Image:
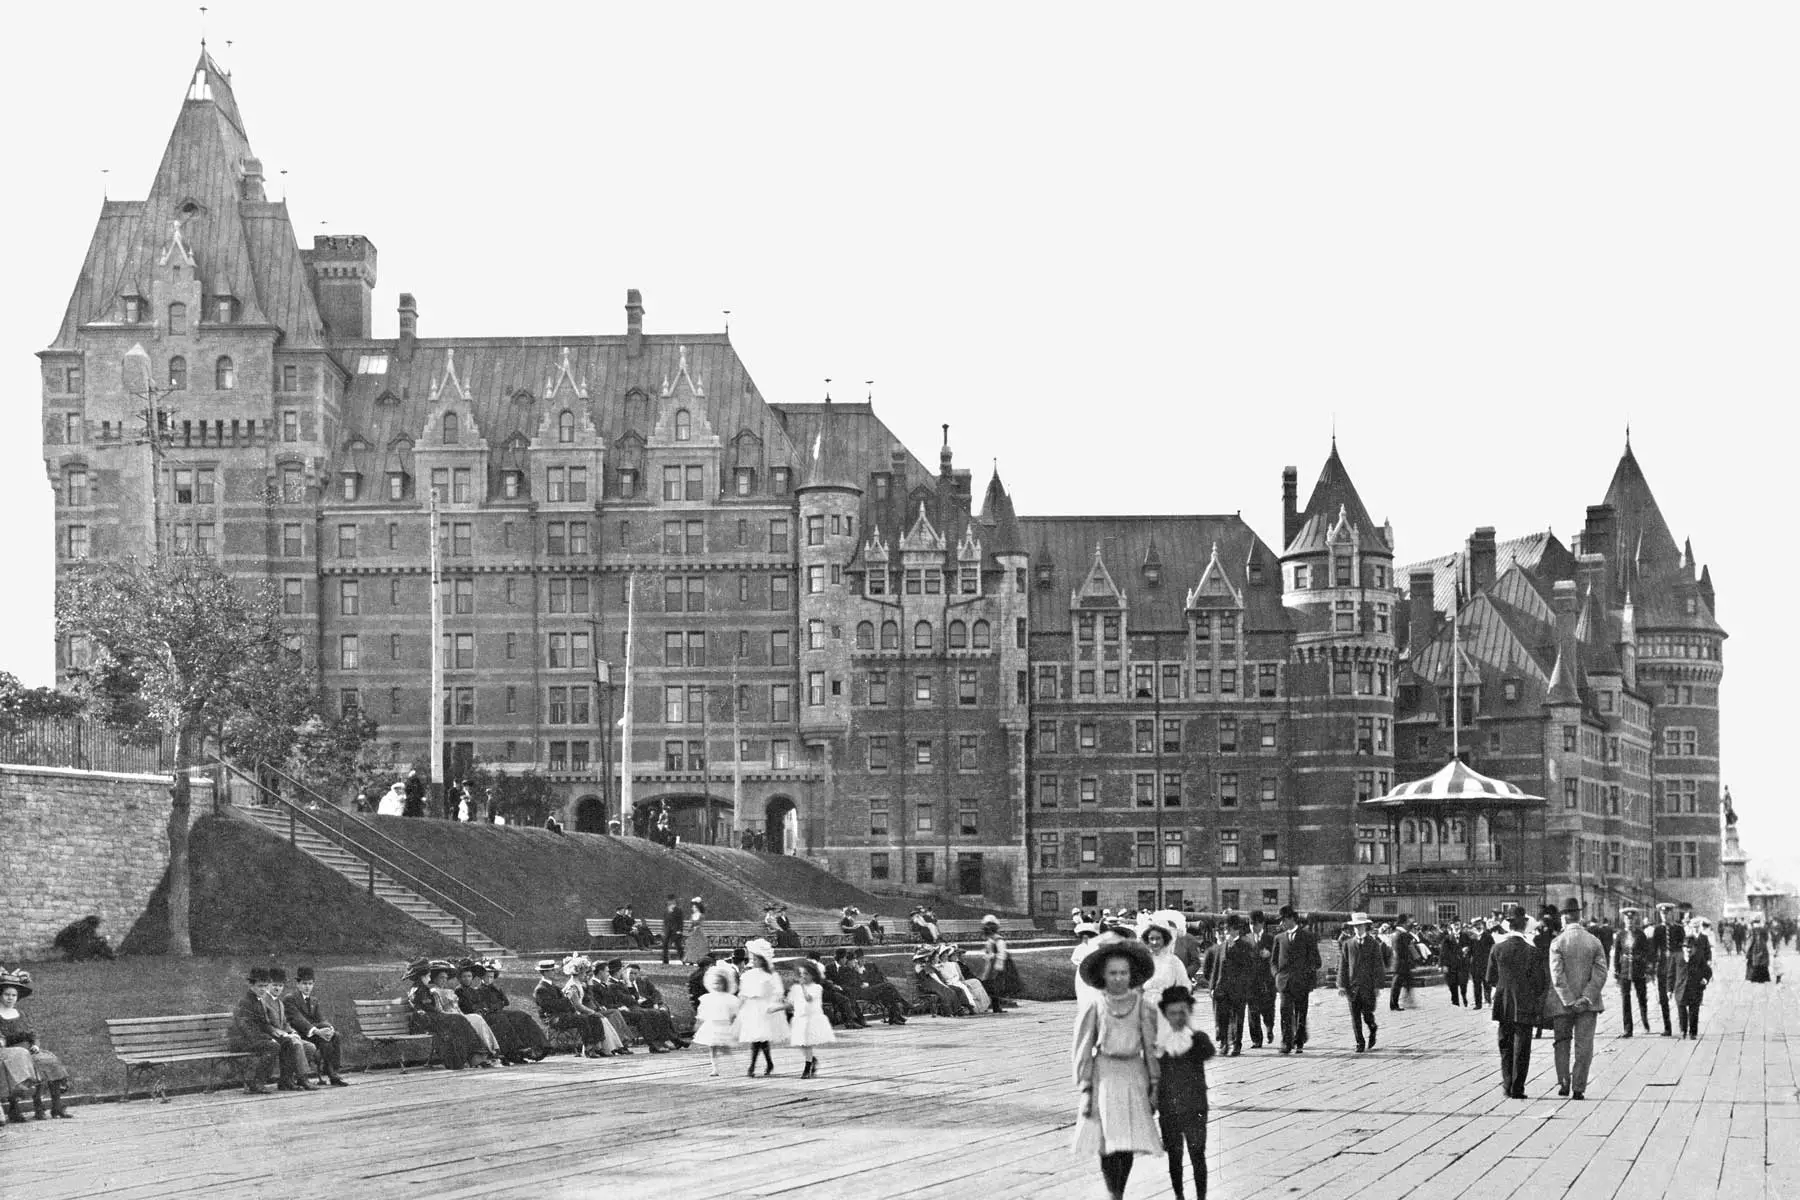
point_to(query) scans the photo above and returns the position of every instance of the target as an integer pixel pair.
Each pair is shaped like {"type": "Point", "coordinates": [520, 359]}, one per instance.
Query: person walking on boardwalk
{"type": "Point", "coordinates": [1406, 953]}
{"type": "Point", "coordinates": [1181, 1052]}
{"type": "Point", "coordinates": [1480, 947]}
{"type": "Point", "coordinates": [1296, 969]}
{"type": "Point", "coordinates": [1116, 1066]}
{"type": "Point", "coordinates": [1665, 944]}
{"type": "Point", "coordinates": [1261, 1005]}
{"type": "Point", "coordinates": [1578, 976]}
{"type": "Point", "coordinates": [762, 1019]}
{"type": "Point", "coordinates": [1518, 986]}
{"type": "Point", "coordinates": [1231, 966]}
{"type": "Point", "coordinates": [1756, 951]}
{"type": "Point", "coordinates": [1362, 966]}
{"type": "Point", "coordinates": [1632, 958]}
{"type": "Point", "coordinates": [1456, 966]}
{"type": "Point", "coordinates": [1690, 982]}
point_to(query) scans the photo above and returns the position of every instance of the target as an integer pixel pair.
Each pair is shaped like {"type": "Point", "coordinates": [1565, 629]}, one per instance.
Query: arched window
{"type": "Point", "coordinates": [684, 425]}
{"type": "Point", "coordinates": [178, 374]}
{"type": "Point", "coordinates": [565, 427]}
{"type": "Point", "coordinates": [226, 374]}
{"type": "Point", "coordinates": [865, 635]}
{"type": "Point", "coordinates": [959, 635]}
{"type": "Point", "coordinates": [177, 318]}
{"type": "Point", "coordinates": [452, 429]}
{"type": "Point", "coordinates": [1425, 828]}
{"type": "Point", "coordinates": [1408, 832]}
{"type": "Point", "coordinates": [922, 636]}
{"type": "Point", "coordinates": [979, 637]}
{"type": "Point", "coordinates": [1483, 835]}
{"type": "Point", "coordinates": [890, 635]}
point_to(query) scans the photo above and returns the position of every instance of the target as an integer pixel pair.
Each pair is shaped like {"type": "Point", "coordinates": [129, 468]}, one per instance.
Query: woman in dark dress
{"type": "Point", "coordinates": [454, 1039]}
{"type": "Point", "coordinates": [1756, 952]}
{"type": "Point", "coordinates": [46, 1071]}
{"type": "Point", "coordinates": [520, 1037]}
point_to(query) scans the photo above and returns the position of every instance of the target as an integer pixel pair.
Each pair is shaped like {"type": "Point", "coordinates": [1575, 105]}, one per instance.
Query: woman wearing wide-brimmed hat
{"type": "Point", "coordinates": [1115, 1061]}
{"type": "Point", "coordinates": [454, 1038]}
{"type": "Point", "coordinates": [25, 1065]}
{"type": "Point", "coordinates": [697, 948]}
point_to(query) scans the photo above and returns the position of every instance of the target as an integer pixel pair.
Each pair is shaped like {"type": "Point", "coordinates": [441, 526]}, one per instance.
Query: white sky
{"type": "Point", "coordinates": [1144, 258]}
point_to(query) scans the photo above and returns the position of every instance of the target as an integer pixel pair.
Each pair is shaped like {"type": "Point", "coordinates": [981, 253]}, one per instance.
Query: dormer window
{"type": "Point", "coordinates": [1509, 691]}
{"type": "Point", "coordinates": [883, 482]}
{"type": "Point", "coordinates": [396, 485]}
{"type": "Point", "coordinates": [1045, 573]}
{"type": "Point", "coordinates": [1301, 577]}
{"type": "Point", "coordinates": [511, 485]}
{"type": "Point", "coordinates": [877, 580]}
{"type": "Point", "coordinates": [1152, 574]}
{"type": "Point", "coordinates": [565, 427]}
{"type": "Point", "coordinates": [352, 485]}
{"type": "Point", "coordinates": [779, 480]}
{"type": "Point", "coordinates": [452, 429]}
{"type": "Point", "coordinates": [224, 309]}
{"type": "Point", "coordinates": [1256, 573]}
{"type": "Point", "coordinates": [1341, 570]}
{"type": "Point", "coordinates": [745, 480]}
{"type": "Point", "coordinates": [371, 364]}
{"type": "Point", "coordinates": [133, 308]}
{"type": "Point", "coordinates": [628, 484]}
{"type": "Point", "coordinates": [684, 425]}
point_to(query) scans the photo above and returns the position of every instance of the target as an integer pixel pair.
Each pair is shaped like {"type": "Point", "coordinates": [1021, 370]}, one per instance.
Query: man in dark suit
{"type": "Point", "coordinates": [1480, 946]}
{"type": "Point", "coordinates": [673, 922]}
{"type": "Point", "coordinates": [1230, 967]}
{"type": "Point", "coordinates": [863, 980]}
{"type": "Point", "coordinates": [1632, 959]}
{"type": "Point", "coordinates": [1295, 966]}
{"type": "Point", "coordinates": [1362, 967]}
{"type": "Point", "coordinates": [306, 1019]}
{"type": "Point", "coordinates": [259, 1027]}
{"type": "Point", "coordinates": [1261, 1006]}
{"type": "Point", "coordinates": [1518, 983]}
{"type": "Point", "coordinates": [1405, 955]}
{"type": "Point", "coordinates": [1665, 949]}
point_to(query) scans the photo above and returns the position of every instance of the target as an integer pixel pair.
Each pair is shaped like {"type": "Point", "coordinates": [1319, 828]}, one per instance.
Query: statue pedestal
{"type": "Point", "coordinates": [1733, 864]}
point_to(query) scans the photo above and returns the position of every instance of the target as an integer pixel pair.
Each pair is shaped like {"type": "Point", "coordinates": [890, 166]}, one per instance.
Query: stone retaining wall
{"type": "Point", "coordinates": [74, 843]}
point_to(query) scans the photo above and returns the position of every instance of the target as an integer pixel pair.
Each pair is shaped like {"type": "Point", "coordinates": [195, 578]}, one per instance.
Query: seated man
{"type": "Point", "coordinates": [655, 1030]}
{"type": "Point", "coordinates": [852, 929]}
{"type": "Point", "coordinates": [863, 980]}
{"type": "Point", "coordinates": [561, 1010]}
{"type": "Point", "coordinates": [649, 996]}
{"type": "Point", "coordinates": [259, 1028]}
{"type": "Point", "coordinates": [621, 920]}
{"type": "Point", "coordinates": [306, 1019]}
{"type": "Point", "coordinates": [839, 1008]}
{"type": "Point", "coordinates": [877, 931]}
{"type": "Point", "coordinates": [785, 937]}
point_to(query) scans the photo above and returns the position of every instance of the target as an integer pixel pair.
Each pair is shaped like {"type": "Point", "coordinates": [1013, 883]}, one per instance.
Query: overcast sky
{"type": "Point", "coordinates": [1143, 255]}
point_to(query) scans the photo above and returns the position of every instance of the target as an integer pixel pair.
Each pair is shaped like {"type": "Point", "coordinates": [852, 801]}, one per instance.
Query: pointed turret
{"type": "Point", "coordinates": [830, 459]}
{"type": "Point", "coordinates": [1334, 500]}
{"type": "Point", "coordinates": [1640, 522]}
{"type": "Point", "coordinates": [1562, 683]}
{"type": "Point", "coordinates": [998, 515]}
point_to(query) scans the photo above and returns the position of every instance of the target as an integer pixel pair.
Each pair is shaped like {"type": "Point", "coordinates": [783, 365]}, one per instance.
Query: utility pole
{"type": "Point", "coordinates": [1157, 732]}
{"type": "Point", "coordinates": [627, 803]}
{"type": "Point", "coordinates": [435, 755]}
{"type": "Point", "coordinates": [603, 702]}
{"type": "Point", "coordinates": [737, 760]}
{"type": "Point", "coordinates": [158, 430]}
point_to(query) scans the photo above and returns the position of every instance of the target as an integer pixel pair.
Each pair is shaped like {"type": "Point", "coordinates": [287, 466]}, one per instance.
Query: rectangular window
{"type": "Point", "coordinates": [922, 689]}
{"type": "Point", "coordinates": [1171, 681]}
{"type": "Point", "coordinates": [1090, 849]}
{"type": "Point", "coordinates": [346, 541]}
{"type": "Point", "coordinates": [1174, 852]}
{"type": "Point", "coordinates": [293, 596]}
{"type": "Point", "coordinates": [349, 597]}
{"type": "Point", "coordinates": [1271, 847]}
{"type": "Point", "coordinates": [1228, 789]}
{"type": "Point", "coordinates": [1171, 792]}
{"type": "Point", "coordinates": [781, 648]}
{"type": "Point", "coordinates": [1046, 737]}
{"type": "Point", "coordinates": [922, 752]}
{"type": "Point", "coordinates": [878, 865]}
{"type": "Point", "coordinates": [924, 865]}
{"type": "Point", "coordinates": [1049, 851]}
{"type": "Point", "coordinates": [1266, 680]}
{"type": "Point", "coordinates": [1049, 791]}
{"type": "Point", "coordinates": [1228, 733]}
{"type": "Point", "coordinates": [878, 687]}
{"type": "Point", "coordinates": [815, 689]}
{"type": "Point", "coordinates": [1089, 790]}
{"type": "Point", "coordinates": [781, 702]}
{"type": "Point", "coordinates": [1087, 734]}
{"type": "Point", "coordinates": [968, 817]}
{"type": "Point", "coordinates": [965, 688]}
{"type": "Point", "coordinates": [348, 655]}
{"type": "Point", "coordinates": [1171, 736]}
{"type": "Point", "coordinates": [1228, 847]}
{"type": "Point", "coordinates": [1046, 683]}
{"type": "Point", "coordinates": [1268, 792]}
{"type": "Point", "coordinates": [779, 599]}
{"type": "Point", "coordinates": [1143, 789]}
{"type": "Point", "coordinates": [968, 746]}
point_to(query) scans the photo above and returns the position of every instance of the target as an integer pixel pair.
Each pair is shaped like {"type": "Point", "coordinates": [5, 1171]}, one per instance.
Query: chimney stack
{"type": "Point", "coordinates": [634, 323]}
{"type": "Point", "coordinates": [251, 187]}
{"type": "Point", "coordinates": [342, 269]}
{"type": "Point", "coordinates": [1421, 612]}
{"type": "Point", "coordinates": [1601, 530]}
{"type": "Point", "coordinates": [1290, 505]}
{"type": "Point", "coordinates": [944, 455]}
{"type": "Point", "coordinates": [1591, 571]}
{"type": "Point", "coordinates": [409, 325]}
{"type": "Point", "coordinates": [1484, 551]}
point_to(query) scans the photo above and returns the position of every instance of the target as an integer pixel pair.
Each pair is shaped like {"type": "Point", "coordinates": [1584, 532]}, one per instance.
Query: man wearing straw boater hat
{"type": "Point", "coordinates": [1362, 967]}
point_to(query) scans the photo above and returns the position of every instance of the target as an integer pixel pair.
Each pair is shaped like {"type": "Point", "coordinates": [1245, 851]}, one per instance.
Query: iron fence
{"type": "Point", "coordinates": [83, 745]}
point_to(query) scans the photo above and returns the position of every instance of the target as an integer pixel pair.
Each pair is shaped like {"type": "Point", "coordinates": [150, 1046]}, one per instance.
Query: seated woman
{"type": "Point", "coordinates": [452, 1037]}
{"type": "Point", "coordinates": [565, 1007]}
{"type": "Point", "coordinates": [950, 970]}
{"type": "Point", "coordinates": [25, 1065]}
{"type": "Point", "coordinates": [520, 1038]}
{"type": "Point", "coordinates": [951, 1002]}
{"type": "Point", "coordinates": [442, 983]}
{"type": "Point", "coordinates": [854, 933]}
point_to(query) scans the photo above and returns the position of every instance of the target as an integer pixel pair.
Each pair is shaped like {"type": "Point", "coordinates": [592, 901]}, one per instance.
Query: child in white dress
{"type": "Point", "coordinates": [762, 1020]}
{"type": "Point", "coordinates": [716, 1015]}
{"type": "Point", "coordinates": [810, 1027]}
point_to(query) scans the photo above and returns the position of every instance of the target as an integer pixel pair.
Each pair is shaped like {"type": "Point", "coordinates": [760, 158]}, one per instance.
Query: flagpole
{"type": "Point", "coordinates": [1456, 666]}
{"type": "Point", "coordinates": [435, 755]}
{"type": "Point", "coordinates": [627, 805]}
{"type": "Point", "coordinates": [737, 764]}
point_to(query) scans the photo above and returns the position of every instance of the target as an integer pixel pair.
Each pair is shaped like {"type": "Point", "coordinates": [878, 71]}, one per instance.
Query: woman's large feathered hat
{"type": "Point", "coordinates": [20, 979]}
{"type": "Point", "coordinates": [1109, 947]}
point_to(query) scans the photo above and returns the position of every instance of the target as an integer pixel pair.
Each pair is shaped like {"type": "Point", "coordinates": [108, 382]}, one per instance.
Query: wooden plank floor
{"type": "Point", "coordinates": [983, 1107]}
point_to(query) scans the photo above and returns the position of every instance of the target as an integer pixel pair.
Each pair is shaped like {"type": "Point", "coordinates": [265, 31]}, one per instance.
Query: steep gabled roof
{"type": "Point", "coordinates": [243, 246]}
{"type": "Point", "coordinates": [1541, 554]}
{"type": "Point", "coordinates": [1334, 497]}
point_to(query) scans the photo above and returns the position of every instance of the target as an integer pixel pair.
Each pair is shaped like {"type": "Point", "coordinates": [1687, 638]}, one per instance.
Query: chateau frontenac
{"type": "Point", "coordinates": [865, 657]}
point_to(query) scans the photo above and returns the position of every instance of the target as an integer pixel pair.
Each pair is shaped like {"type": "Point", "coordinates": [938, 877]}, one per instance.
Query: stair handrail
{"type": "Point", "coordinates": [370, 856]}
{"type": "Point", "coordinates": [1346, 902]}
{"type": "Point", "coordinates": [347, 815]}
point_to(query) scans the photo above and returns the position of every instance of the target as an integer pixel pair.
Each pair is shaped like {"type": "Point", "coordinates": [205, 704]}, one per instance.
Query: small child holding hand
{"type": "Point", "coordinates": [1182, 1052]}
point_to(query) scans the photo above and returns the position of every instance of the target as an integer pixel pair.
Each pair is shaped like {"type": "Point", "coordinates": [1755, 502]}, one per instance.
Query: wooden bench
{"type": "Point", "coordinates": [388, 1023]}
{"type": "Point", "coordinates": [601, 937]}
{"type": "Point", "coordinates": [151, 1043]}
{"type": "Point", "coordinates": [964, 930]}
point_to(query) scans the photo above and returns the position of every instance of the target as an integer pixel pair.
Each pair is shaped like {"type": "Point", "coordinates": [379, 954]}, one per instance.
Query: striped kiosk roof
{"type": "Point", "coordinates": [1456, 783]}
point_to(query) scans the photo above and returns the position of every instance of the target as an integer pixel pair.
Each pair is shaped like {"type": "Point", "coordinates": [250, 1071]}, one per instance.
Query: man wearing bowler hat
{"type": "Point", "coordinates": [1518, 984]}
{"type": "Point", "coordinates": [1296, 968]}
{"type": "Point", "coordinates": [1578, 977]}
{"type": "Point", "coordinates": [306, 1019]}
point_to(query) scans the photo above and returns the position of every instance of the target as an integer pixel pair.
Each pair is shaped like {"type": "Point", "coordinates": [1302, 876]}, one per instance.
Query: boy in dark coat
{"type": "Point", "coordinates": [1696, 970]}
{"type": "Point", "coordinates": [1182, 1052]}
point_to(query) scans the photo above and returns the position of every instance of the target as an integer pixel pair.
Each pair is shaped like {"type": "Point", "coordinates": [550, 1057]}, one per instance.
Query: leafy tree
{"type": "Point", "coordinates": [180, 649]}
{"type": "Point", "coordinates": [335, 757]}
{"type": "Point", "coordinates": [20, 705]}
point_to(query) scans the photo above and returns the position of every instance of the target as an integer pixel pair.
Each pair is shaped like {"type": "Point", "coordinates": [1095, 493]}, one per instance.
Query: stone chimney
{"type": "Point", "coordinates": [251, 186]}
{"type": "Point", "coordinates": [1483, 553]}
{"type": "Point", "coordinates": [944, 458]}
{"type": "Point", "coordinates": [1290, 505]}
{"type": "Point", "coordinates": [1565, 600]}
{"type": "Point", "coordinates": [634, 323]}
{"type": "Point", "coordinates": [1598, 536]}
{"type": "Point", "coordinates": [409, 325]}
{"type": "Point", "coordinates": [1421, 610]}
{"type": "Point", "coordinates": [342, 269]}
{"type": "Point", "coordinates": [1591, 572]}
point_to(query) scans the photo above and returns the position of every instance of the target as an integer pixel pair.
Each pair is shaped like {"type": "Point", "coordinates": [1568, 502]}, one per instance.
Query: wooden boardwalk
{"type": "Point", "coordinates": [982, 1107]}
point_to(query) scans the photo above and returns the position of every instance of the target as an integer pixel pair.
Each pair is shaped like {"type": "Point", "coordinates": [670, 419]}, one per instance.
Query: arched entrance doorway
{"type": "Point", "coordinates": [590, 815]}
{"type": "Point", "coordinates": [781, 828]}
{"type": "Point", "coordinates": [702, 819]}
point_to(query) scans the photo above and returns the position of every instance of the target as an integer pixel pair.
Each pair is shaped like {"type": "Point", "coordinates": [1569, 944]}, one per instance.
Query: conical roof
{"type": "Point", "coordinates": [1455, 783]}
{"type": "Point", "coordinates": [830, 459]}
{"type": "Point", "coordinates": [1643, 533]}
{"type": "Point", "coordinates": [1334, 498]}
{"type": "Point", "coordinates": [998, 515]}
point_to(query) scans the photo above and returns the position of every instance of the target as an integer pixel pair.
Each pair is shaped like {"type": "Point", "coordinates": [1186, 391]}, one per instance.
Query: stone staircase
{"type": "Point", "coordinates": [720, 865]}
{"type": "Point", "coordinates": [355, 869]}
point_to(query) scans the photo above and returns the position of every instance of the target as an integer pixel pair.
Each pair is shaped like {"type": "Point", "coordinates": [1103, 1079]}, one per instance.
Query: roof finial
{"type": "Point", "coordinates": [1628, 435]}
{"type": "Point", "coordinates": [103, 181]}
{"type": "Point", "coordinates": [871, 386]}
{"type": "Point", "coordinates": [828, 389]}
{"type": "Point", "coordinates": [203, 28]}
{"type": "Point", "coordinates": [727, 313]}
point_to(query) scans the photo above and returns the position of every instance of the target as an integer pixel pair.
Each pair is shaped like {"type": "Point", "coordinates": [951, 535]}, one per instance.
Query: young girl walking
{"type": "Point", "coordinates": [716, 1014]}
{"type": "Point", "coordinates": [1116, 1065]}
{"type": "Point", "coordinates": [810, 1027]}
{"type": "Point", "coordinates": [762, 1020]}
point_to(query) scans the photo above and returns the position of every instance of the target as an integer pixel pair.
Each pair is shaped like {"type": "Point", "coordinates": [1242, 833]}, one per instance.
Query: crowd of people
{"type": "Point", "coordinates": [1139, 1061]}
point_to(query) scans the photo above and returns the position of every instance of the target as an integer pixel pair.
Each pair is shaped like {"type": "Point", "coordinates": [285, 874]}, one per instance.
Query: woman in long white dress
{"type": "Point", "coordinates": [1085, 932]}
{"type": "Point", "coordinates": [762, 1016]}
{"type": "Point", "coordinates": [1169, 972]}
{"type": "Point", "coordinates": [697, 948]}
{"type": "Point", "coordinates": [1115, 1061]}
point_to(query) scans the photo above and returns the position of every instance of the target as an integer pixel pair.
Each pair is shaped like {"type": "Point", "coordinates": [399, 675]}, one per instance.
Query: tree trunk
{"type": "Point", "coordinates": [180, 942]}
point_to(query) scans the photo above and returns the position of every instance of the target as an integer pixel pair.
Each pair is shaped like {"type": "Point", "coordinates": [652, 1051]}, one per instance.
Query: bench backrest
{"type": "Point", "coordinates": [195, 1033]}
{"type": "Point", "coordinates": [383, 1018]}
